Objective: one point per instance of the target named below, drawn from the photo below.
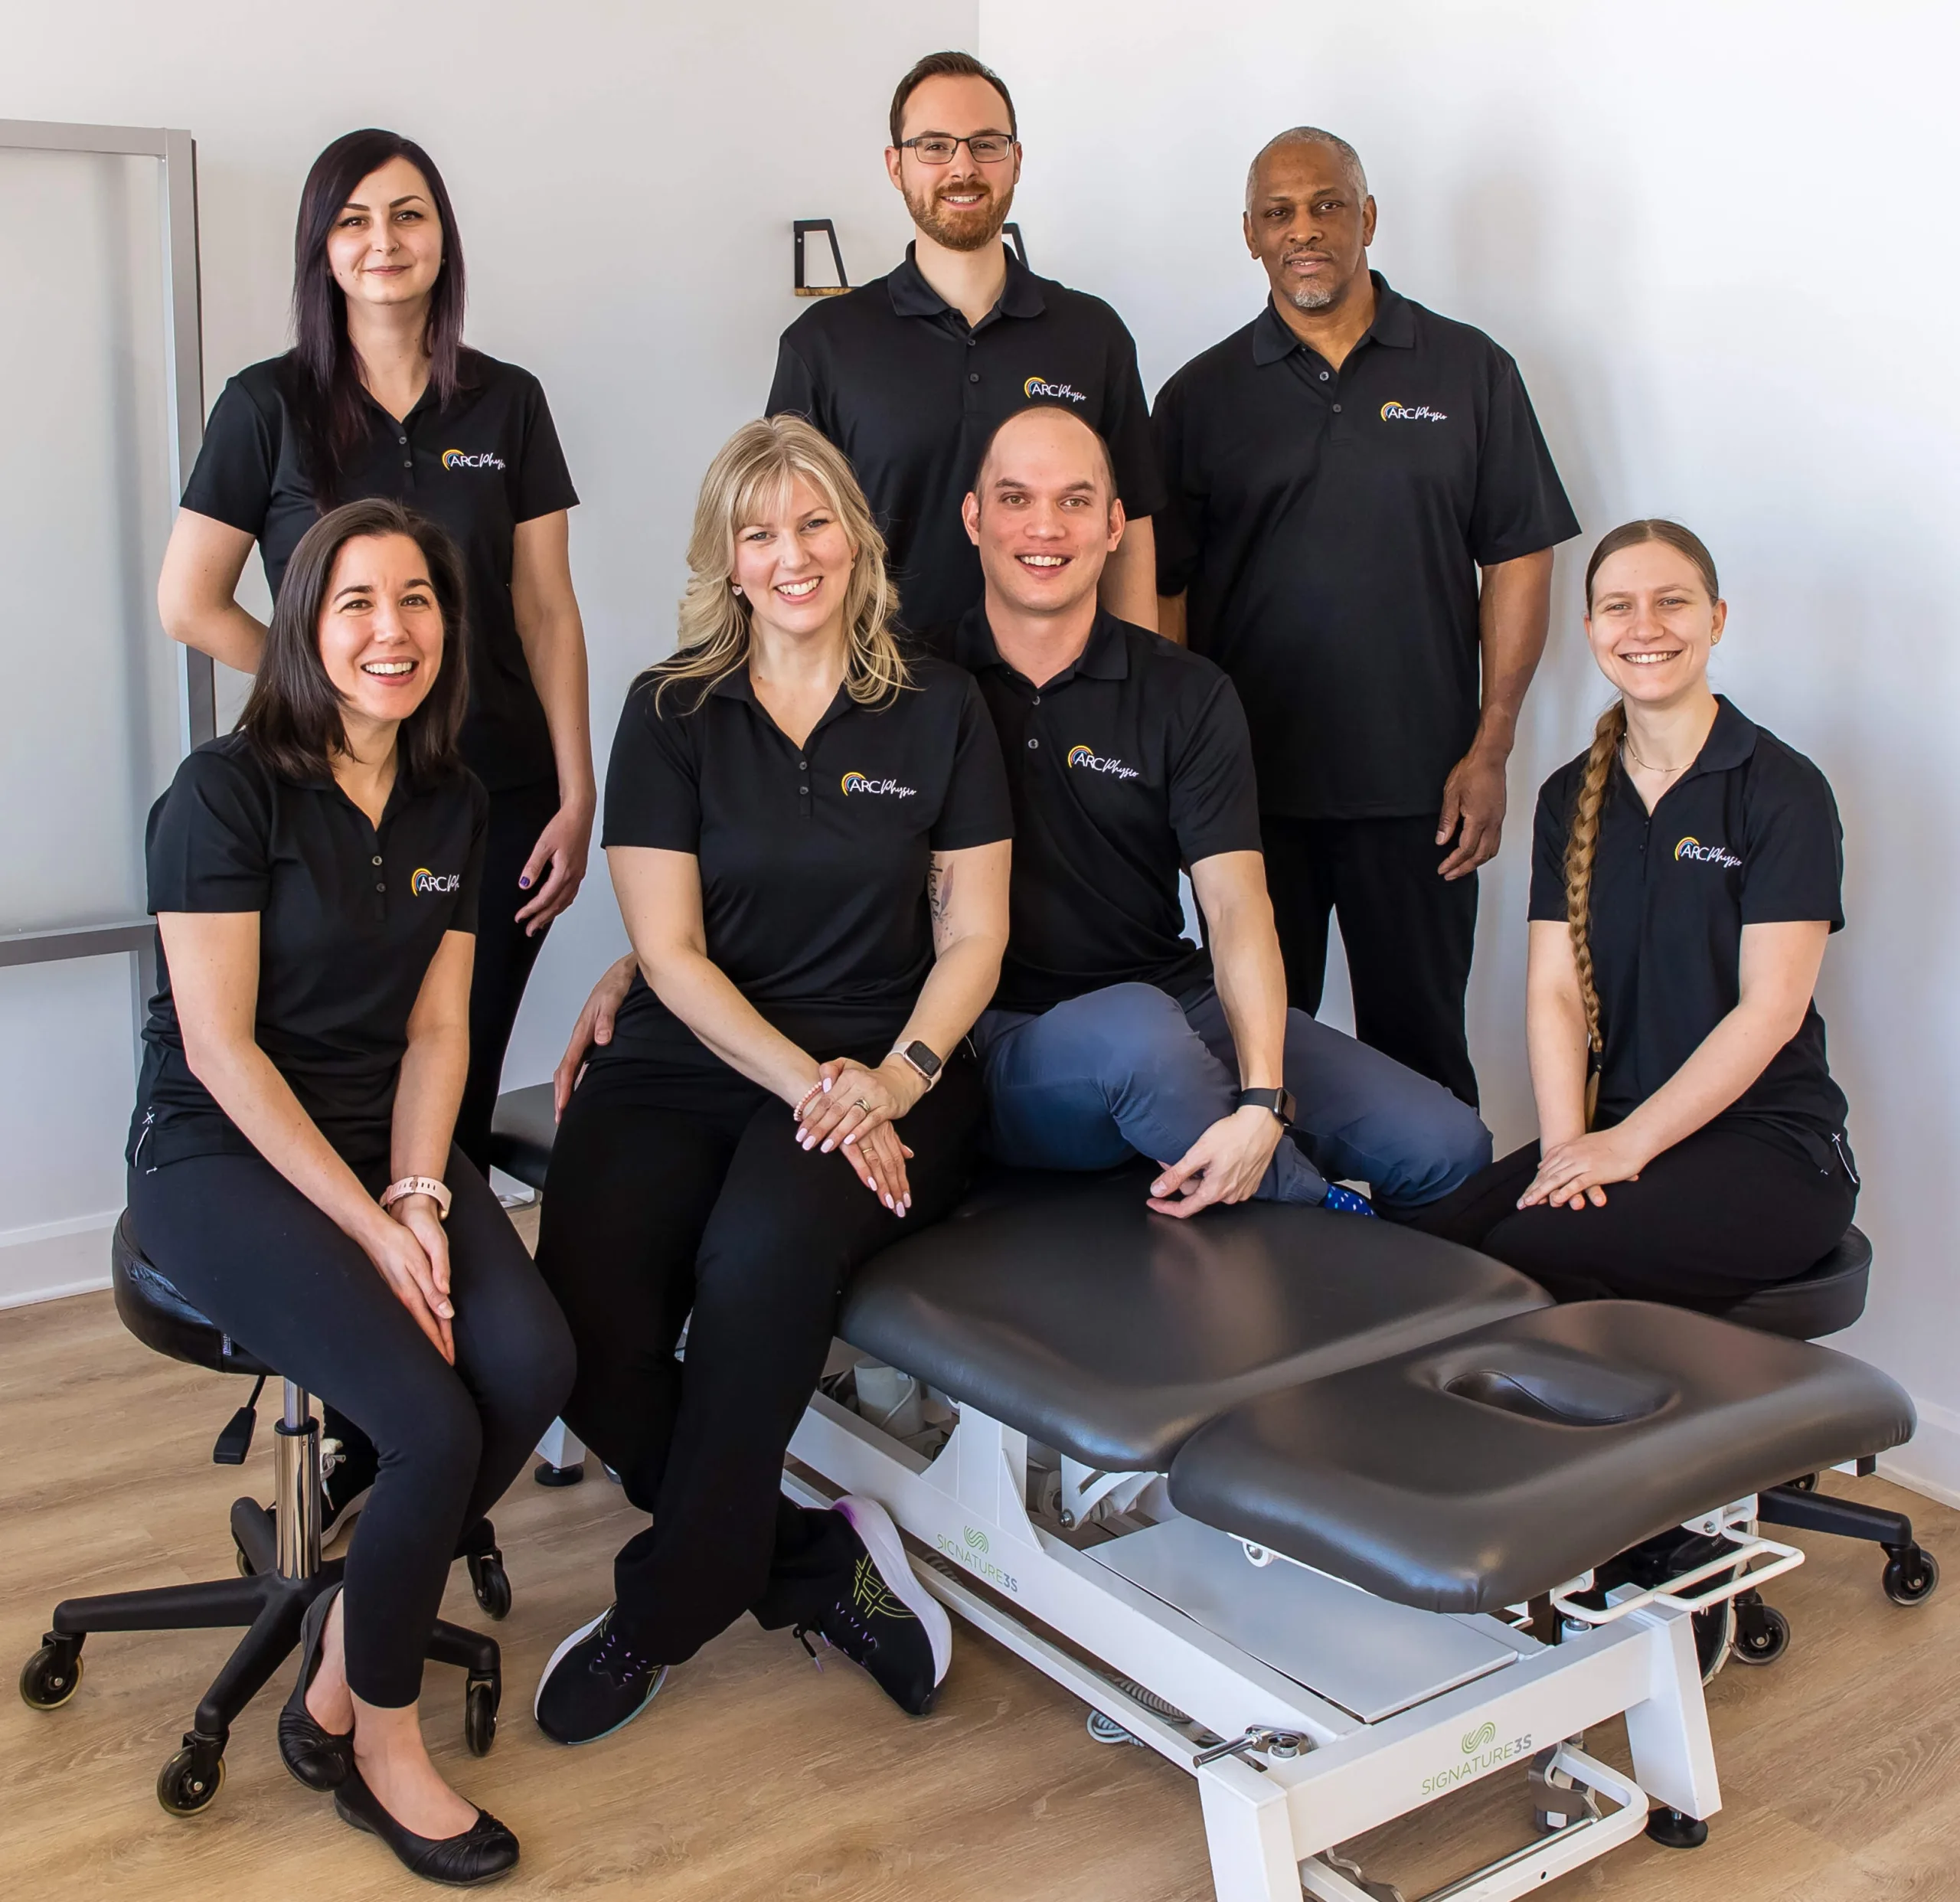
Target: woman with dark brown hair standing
(314, 877)
(380, 396)
(1686, 875)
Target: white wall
(1719, 241)
(624, 242)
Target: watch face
(921, 1056)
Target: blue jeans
(1129, 1070)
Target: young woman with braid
(1687, 874)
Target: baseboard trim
(1929, 1461)
(54, 1260)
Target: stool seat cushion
(1061, 1305)
(1822, 1300)
(159, 1317)
(521, 1129)
(1484, 1470)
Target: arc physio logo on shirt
(425, 884)
(462, 458)
(1088, 757)
(1692, 849)
(1056, 392)
(856, 782)
(1412, 413)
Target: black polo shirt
(1124, 768)
(1328, 526)
(350, 917)
(1749, 834)
(894, 375)
(813, 859)
(478, 466)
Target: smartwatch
(1280, 1102)
(922, 1058)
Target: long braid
(1580, 845)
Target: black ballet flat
(484, 1852)
(314, 1755)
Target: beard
(961, 227)
(1312, 296)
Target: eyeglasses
(936, 148)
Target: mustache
(980, 185)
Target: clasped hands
(410, 1246)
(1574, 1172)
(853, 1108)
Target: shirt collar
(1106, 657)
(735, 684)
(911, 297)
(1730, 742)
(1394, 325)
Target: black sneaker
(348, 1467)
(882, 1618)
(596, 1684)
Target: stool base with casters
(279, 1558)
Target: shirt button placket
(803, 791)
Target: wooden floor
(756, 1775)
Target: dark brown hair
(1583, 839)
(293, 717)
(946, 66)
(328, 404)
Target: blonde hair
(1581, 841)
(755, 466)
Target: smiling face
(1308, 222)
(386, 245)
(793, 561)
(1652, 624)
(1042, 512)
(380, 630)
(961, 204)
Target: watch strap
(1279, 1102)
(437, 1192)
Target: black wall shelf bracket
(801, 228)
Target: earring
(735, 587)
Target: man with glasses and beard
(1358, 528)
(910, 374)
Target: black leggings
(1722, 1212)
(257, 1257)
(675, 1189)
(505, 955)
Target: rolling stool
(1822, 1301)
(278, 1560)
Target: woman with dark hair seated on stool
(808, 837)
(315, 877)
(1687, 874)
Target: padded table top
(1478, 1472)
(1060, 1304)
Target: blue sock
(1346, 1202)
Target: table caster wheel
(191, 1779)
(1672, 1830)
(52, 1674)
(1763, 1634)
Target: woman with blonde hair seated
(1686, 875)
(808, 834)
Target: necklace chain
(1648, 765)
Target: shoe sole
(367, 1828)
(873, 1524)
(579, 1637)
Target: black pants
(260, 1260)
(1722, 1212)
(505, 955)
(1408, 933)
(672, 1192)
